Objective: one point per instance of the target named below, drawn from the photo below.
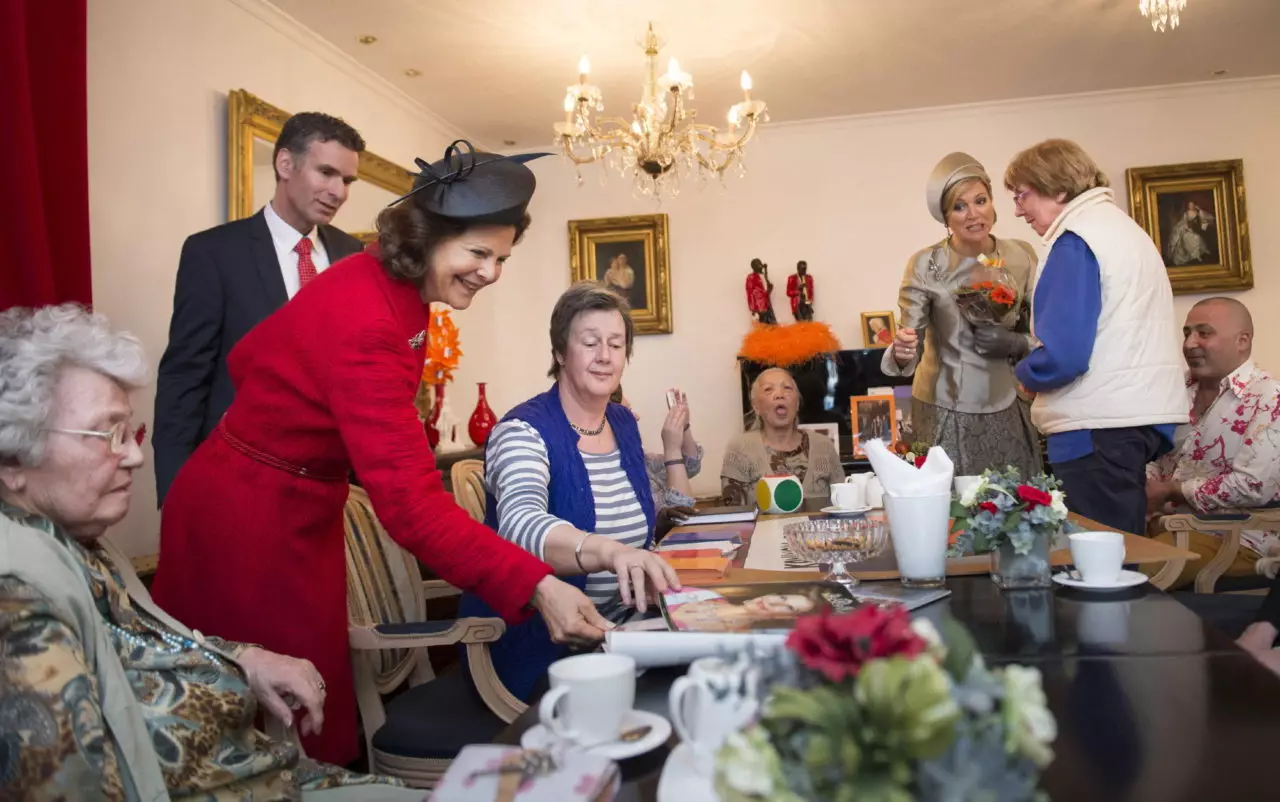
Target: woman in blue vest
(566, 480)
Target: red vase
(433, 434)
(482, 420)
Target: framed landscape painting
(629, 255)
(1195, 214)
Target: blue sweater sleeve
(1067, 303)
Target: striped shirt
(517, 472)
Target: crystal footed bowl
(841, 542)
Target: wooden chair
(415, 734)
(1227, 526)
(468, 486)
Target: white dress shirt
(285, 237)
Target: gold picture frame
(1195, 214)
(631, 255)
(882, 337)
(254, 123)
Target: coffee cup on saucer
(849, 495)
(590, 696)
(1098, 556)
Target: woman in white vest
(1107, 368)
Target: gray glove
(996, 342)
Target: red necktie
(306, 267)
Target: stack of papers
(697, 565)
(721, 515)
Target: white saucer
(842, 512)
(539, 737)
(681, 781)
(1127, 579)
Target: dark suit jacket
(229, 280)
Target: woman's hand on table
(571, 617)
(639, 572)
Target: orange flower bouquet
(987, 295)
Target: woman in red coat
(252, 537)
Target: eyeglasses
(1017, 198)
(116, 436)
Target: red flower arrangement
(1034, 496)
(837, 645)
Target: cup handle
(547, 713)
(679, 689)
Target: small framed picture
(829, 430)
(872, 417)
(630, 255)
(878, 329)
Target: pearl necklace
(171, 644)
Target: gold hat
(954, 168)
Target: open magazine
(701, 622)
(775, 606)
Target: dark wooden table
(1151, 703)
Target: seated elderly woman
(566, 479)
(104, 695)
(774, 444)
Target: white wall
(847, 196)
(159, 74)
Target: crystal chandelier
(1162, 13)
(661, 141)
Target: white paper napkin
(903, 480)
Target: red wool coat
(251, 538)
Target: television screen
(827, 384)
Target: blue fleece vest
(524, 652)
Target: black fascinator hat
(474, 186)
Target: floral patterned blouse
(1228, 459)
(197, 705)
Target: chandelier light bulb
(661, 143)
(1162, 13)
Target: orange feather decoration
(789, 345)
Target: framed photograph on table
(631, 256)
(872, 417)
(1195, 214)
(878, 329)
(831, 431)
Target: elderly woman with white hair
(776, 444)
(104, 696)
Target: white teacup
(715, 698)
(597, 690)
(848, 495)
(875, 492)
(1098, 556)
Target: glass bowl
(840, 542)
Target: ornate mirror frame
(249, 116)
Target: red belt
(275, 462)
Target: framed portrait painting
(1195, 214)
(872, 417)
(878, 329)
(629, 255)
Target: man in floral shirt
(1227, 458)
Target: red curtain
(44, 203)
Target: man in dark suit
(231, 277)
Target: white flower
(1058, 504)
(971, 492)
(1029, 726)
(744, 767)
(928, 633)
